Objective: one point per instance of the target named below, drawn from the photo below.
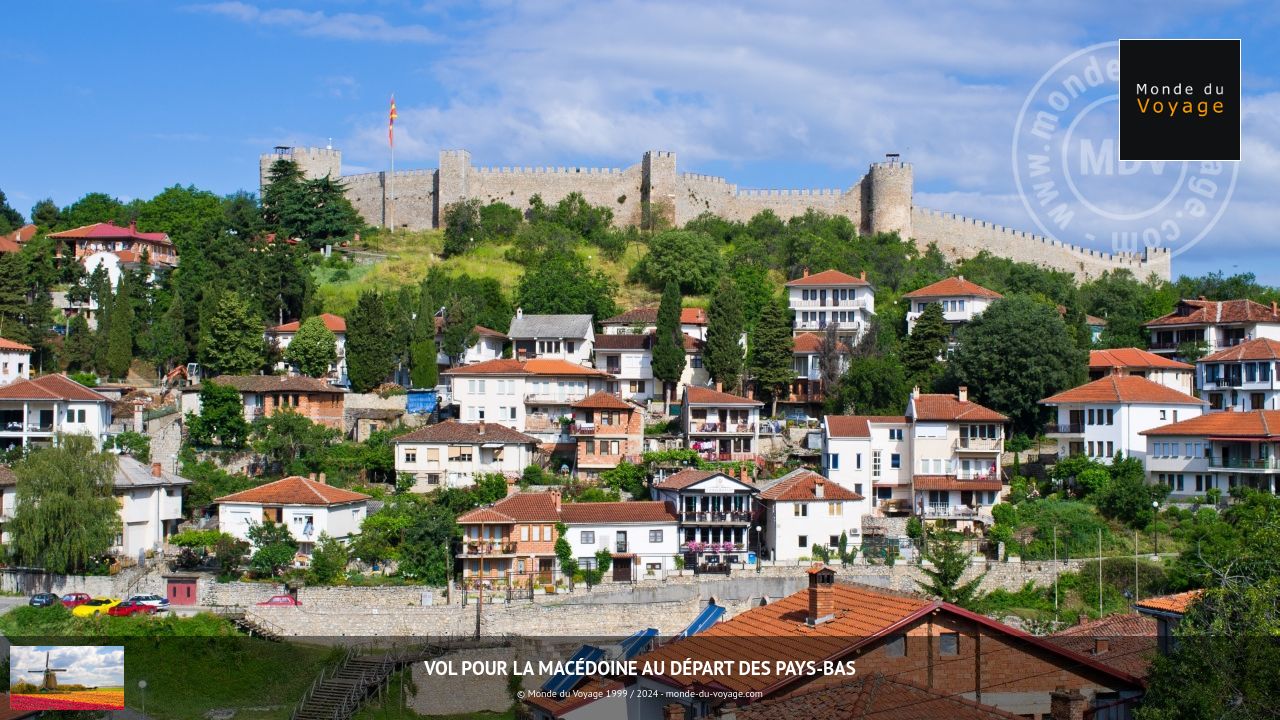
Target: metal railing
(716, 427)
(731, 516)
(1269, 463)
(974, 443)
(1064, 429)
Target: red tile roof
(828, 278)
(691, 343)
(22, 234)
(452, 431)
(708, 396)
(953, 287)
(335, 323)
(951, 482)
(859, 425)
(802, 485)
(948, 407)
(1178, 603)
(294, 490)
(602, 401)
(107, 230)
(14, 345)
(872, 696)
(624, 341)
(1132, 358)
(489, 332)
(1130, 641)
(1257, 349)
(536, 366)
(605, 513)
(1204, 312)
(1122, 389)
(276, 383)
(649, 316)
(520, 507)
(7, 245)
(810, 343)
(1251, 424)
(49, 387)
(687, 477)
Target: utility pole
(480, 584)
(1099, 572)
(1135, 567)
(1055, 572)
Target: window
(546, 533)
(1091, 417)
(801, 510)
(835, 541)
(411, 455)
(895, 460)
(433, 479)
(695, 361)
(875, 463)
(896, 646)
(588, 537)
(895, 433)
(857, 487)
(1164, 414)
(655, 536)
(835, 461)
(1111, 448)
(803, 541)
(857, 461)
(1111, 416)
(949, 643)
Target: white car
(155, 601)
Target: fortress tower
(313, 162)
(886, 201)
(658, 186)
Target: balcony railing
(858, 304)
(1064, 429)
(1163, 345)
(741, 517)
(727, 428)
(556, 398)
(488, 547)
(621, 547)
(945, 510)
(982, 444)
(30, 427)
(714, 456)
(582, 429)
(978, 477)
(1269, 463)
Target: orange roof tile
(799, 485)
(520, 507)
(109, 230)
(49, 387)
(602, 401)
(6, 344)
(847, 426)
(536, 366)
(953, 287)
(22, 234)
(1257, 349)
(931, 406)
(872, 696)
(554, 366)
(452, 431)
(1130, 641)
(951, 482)
(1251, 424)
(1132, 358)
(1122, 389)
(828, 277)
(604, 513)
(1205, 312)
(810, 343)
(294, 490)
(687, 477)
(500, 366)
(649, 316)
(335, 323)
(709, 396)
(1178, 603)
(692, 344)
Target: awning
(493, 445)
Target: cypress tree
(120, 335)
(668, 346)
(771, 357)
(723, 353)
(370, 346)
(927, 343)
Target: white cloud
(100, 666)
(339, 26)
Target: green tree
(77, 349)
(10, 219)
(560, 282)
(185, 213)
(500, 221)
(169, 340)
(872, 385)
(1015, 353)
(274, 546)
(65, 515)
(46, 215)
(950, 559)
(723, 354)
(462, 229)
(93, 208)
(424, 372)
(1127, 497)
(926, 343)
(564, 551)
(690, 259)
(328, 560)
(314, 348)
(120, 335)
(626, 477)
(370, 348)
(231, 343)
(286, 438)
(221, 419)
(771, 357)
(668, 346)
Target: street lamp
(142, 686)
(1155, 517)
(759, 547)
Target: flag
(391, 123)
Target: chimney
(555, 497)
(156, 470)
(915, 391)
(137, 416)
(742, 474)
(963, 395)
(719, 386)
(1101, 645)
(806, 273)
(1275, 307)
(519, 312)
(480, 430)
(1066, 704)
(960, 278)
(312, 477)
(863, 276)
(822, 601)
(321, 479)
(751, 393)
(674, 711)
(818, 491)
(1202, 298)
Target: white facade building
(453, 454)
(1242, 377)
(15, 361)
(1216, 451)
(641, 536)
(869, 455)
(1217, 324)
(1133, 361)
(531, 396)
(716, 511)
(150, 505)
(629, 359)
(34, 412)
(1107, 416)
(308, 508)
(802, 509)
(832, 297)
(552, 337)
(282, 335)
(961, 300)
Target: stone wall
(131, 581)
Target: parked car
(72, 600)
(44, 600)
(281, 601)
(132, 607)
(155, 601)
(95, 606)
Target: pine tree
(424, 372)
(668, 346)
(168, 339)
(370, 347)
(77, 350)
(771, 357)
(13, 295)
(950, 559)
(927, 343)
(231, 343)
(723, 352)
(120, 336)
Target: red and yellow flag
(391, 123)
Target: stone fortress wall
(880, 201)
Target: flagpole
(391, 137)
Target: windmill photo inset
(50, 674)
(66, 677)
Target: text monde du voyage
(1179, 99)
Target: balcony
(554, 398)
(542, 423)
(984, 445)
(488, 548)
(859, 304)
(1259, 464)
(714, 456)
(1064, 429)
(846, 328)
(31, 427)
(731, 517)
(620, 547)
(582, 429)
(716, 428)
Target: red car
(71, 600)
(132, 607)
(281, 601)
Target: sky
(128, 97)
(89, 665)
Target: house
(717, 513)
(265, 395)
(282, 335)
(832, 297)
(15, 361)
(945, 649)
(629, 359)
(33, 412)
(452, 454)
(309, 508)
(607, 431)
(1168, 611)
(150, 500)
(806, 394)
(15, 239)
(870, 455)
(488, 345)
(1133, 361)
(552, 337)
(644, 321)
(956, 450)
(8, 499)
(1213, 324)
(642, 536)
(1125, 641)
(961, 300)
(115, 248)
(719, 425)
(511, 542)
(1107, 416)
(1216, 451)
(803, 509)
(1243, 377)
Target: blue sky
(130, 97)
(91, 665)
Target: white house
(644, 321)
(1218, 324)
(716, 511)
(1133, 361)
(719, 425)
(33, 412)
(641, 536)
(282, 335)
(1242, 377)
(559, 337)
(869, 455)
(15, 361)
(308, 508)
(1217, 450)
(832, 297)
(8, 499)
(150, 505)
(488, 345)
(452, 454)
(628, 358)
(956, 451)
(802, 509)
(1107, 416)
(807, 392)
(962, 300)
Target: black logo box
(1186, 69)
